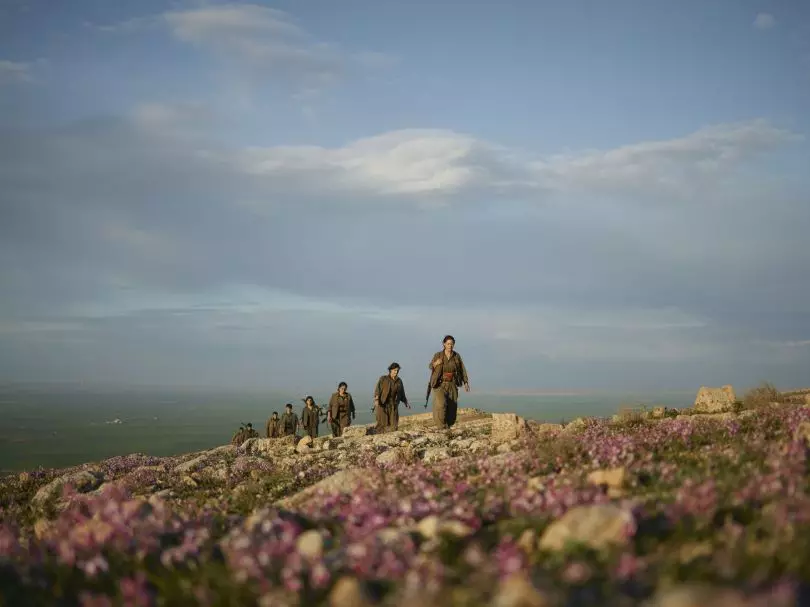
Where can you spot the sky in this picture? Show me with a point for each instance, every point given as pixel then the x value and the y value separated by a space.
pixel 283 195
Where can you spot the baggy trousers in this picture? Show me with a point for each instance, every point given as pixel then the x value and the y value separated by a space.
pixel 339 424
pixel 387 417
pixel 445 404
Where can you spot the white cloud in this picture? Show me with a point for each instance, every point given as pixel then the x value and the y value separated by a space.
pixel 14 72
pixel 262 40
pixel 764 21
pixel 416 163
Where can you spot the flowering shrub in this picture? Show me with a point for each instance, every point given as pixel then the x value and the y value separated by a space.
pixel 724 501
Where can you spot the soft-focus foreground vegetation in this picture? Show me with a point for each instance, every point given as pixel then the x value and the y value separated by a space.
pixel 679 510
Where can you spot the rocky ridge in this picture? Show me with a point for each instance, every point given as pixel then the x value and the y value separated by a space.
pixel 502 493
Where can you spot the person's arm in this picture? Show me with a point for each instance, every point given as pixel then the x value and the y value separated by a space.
pixel 377 390
pixel 404 398
pixel 267 427
pixel 465 380
pixel 435 361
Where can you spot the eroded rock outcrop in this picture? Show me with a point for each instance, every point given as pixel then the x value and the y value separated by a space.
pixel 715 400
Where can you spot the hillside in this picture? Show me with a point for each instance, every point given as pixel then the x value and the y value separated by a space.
pixel 666 507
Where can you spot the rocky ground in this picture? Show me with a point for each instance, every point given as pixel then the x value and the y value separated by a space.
pixel 666 508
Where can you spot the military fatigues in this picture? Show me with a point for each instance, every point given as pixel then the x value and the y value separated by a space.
pixel 273 428
pixel 390 393
pixel 445 381
pixel 310 418
pixel 242 435
pixel 289 424
pixel 341 410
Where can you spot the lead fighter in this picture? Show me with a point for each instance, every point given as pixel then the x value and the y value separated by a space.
pixel 447 374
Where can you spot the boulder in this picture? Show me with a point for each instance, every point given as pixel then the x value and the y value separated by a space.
pixel 82 481
pixel 435 454
pixel 507 427
pixel 344 481
pixel 715 400
pixel 190 465
pixel 595 525
pixel 304 445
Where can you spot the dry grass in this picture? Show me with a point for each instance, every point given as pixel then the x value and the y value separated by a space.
pixel 762 396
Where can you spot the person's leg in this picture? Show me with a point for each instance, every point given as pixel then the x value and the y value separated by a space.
pixel 382 419
pixel 439 407
pixel 395 417
pixel 451 400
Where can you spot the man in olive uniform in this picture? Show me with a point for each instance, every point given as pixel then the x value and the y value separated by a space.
pixel 310 417
pixel 245 432
pixel 289 421
pixel 447 373
pixel 388 393
pixel 341 409
pixel 273 426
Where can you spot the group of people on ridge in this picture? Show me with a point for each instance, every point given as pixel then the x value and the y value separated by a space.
pixel 447 375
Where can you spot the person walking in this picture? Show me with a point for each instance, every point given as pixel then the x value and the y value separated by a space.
pixel 389 391
pixel 341 409
pixel 447 374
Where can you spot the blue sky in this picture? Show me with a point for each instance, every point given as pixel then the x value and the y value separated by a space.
pixel 587 194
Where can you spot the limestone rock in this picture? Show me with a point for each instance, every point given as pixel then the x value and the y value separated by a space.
pixel 82 481
pixel 575 425
pixel 596 525
pixel 435 454
pixel 698 595
pixel 310 544
pixel 507 427
pixel 344 482
pixel 304 445
pixel 391 456
pixel 518 591
pixel 539 429
pixel 355 431
pixel 528 541
pixel 715 400
pixel 614 478
pixel 431 526
pixel 191 464
pixel 348 592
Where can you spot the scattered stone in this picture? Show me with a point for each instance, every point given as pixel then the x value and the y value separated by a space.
pixel 507 427
pixel 435 454
pixel 478 446
pixel 83 481
pixel 41 528
pixel 658 413
pixel 432 526
pixel 190 482
pixel 310 544
pixel 528 541
pixel 304 445
pixel 537 483
pixel 344 481
pixel 388 457
pixel 715 400
pixel 518 591
pixel 698 595
pixel 348 592
pixel 189 465
pixel 596 525
pixel 575 425
pixel 614 478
